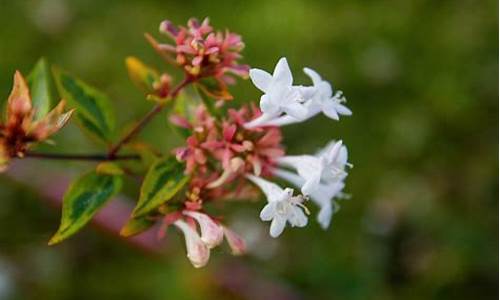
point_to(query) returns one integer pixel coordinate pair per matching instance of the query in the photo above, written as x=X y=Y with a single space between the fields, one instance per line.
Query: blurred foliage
x=421 y=77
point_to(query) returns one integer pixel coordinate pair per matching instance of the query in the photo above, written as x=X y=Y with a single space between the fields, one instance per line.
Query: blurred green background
x=421 y=77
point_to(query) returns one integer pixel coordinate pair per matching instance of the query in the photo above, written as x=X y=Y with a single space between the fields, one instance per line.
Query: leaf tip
x=136 y=213
x=55 y=239
x=126 y=232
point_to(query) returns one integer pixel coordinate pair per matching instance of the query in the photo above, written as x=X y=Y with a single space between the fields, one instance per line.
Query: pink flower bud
x=236 y=243
x=168 y=28
x=179 y=121
x=197 y=252
x=211 y=232
x=202 y=52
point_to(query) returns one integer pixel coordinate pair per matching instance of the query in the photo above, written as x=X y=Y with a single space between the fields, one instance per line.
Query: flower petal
x=325 y=215
x=268 y=106
x=343 y=110
x=296 y=110
x=330 y=110
x=272 y=191
x=342 y=156
x=283 y=120
x=298 y=218
x=282 y=74
x=228 y=131
x=277 y=226
x=316 y=79
x=311 y=184
x=325 y=90
x=261 y=79
x=334 y=151
x=308 y=167
x=307 y=92
x=268 y=212
x=260 y=121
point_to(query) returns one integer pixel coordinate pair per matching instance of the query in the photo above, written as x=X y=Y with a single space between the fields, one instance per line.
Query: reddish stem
x=146 y=119
x=86 y=157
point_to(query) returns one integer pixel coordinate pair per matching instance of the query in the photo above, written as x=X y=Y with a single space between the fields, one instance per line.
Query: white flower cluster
x=320 y=177
x=284 y=103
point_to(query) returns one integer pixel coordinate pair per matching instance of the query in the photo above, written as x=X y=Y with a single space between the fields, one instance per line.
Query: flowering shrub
x=228 y=153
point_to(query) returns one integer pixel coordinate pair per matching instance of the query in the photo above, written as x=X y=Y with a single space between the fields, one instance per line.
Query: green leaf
x=209 y=103
x=93 y=109
x=184 y=106
x=163 y=180
x=135 y=226
x=82 y=200
x=39 y=83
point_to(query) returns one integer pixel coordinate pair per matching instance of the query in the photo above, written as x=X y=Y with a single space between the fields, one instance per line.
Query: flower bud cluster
x=202 y=52
x=21 y=129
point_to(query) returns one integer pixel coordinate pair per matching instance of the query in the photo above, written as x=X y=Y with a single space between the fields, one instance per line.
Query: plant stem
x=84 y=157
x=146 y=119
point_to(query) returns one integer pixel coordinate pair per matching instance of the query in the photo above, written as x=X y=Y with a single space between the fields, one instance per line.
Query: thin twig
x=86 y=157
x=145 y=120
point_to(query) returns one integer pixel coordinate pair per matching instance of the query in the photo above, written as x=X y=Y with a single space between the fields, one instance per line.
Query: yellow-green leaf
x=214 y=88
x=164 y=179
x=39 y=83
x=109 y=168
x=135 y=226
x=82 y=200
x=147 y=153
x=93 y=109
x=141 y=75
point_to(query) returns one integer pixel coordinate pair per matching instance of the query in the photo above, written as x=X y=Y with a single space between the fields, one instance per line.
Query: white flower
x=324 y=100
x=282 y=206
x=323 y=195
x=328 y=166
x=197 y=251
x=334 y=154
x=319 y=98
x=211 y=232
x=280 y=97
x=320 y=177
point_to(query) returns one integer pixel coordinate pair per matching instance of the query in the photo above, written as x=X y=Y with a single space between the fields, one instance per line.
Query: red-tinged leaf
x=19 y=102
x=51 y=122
